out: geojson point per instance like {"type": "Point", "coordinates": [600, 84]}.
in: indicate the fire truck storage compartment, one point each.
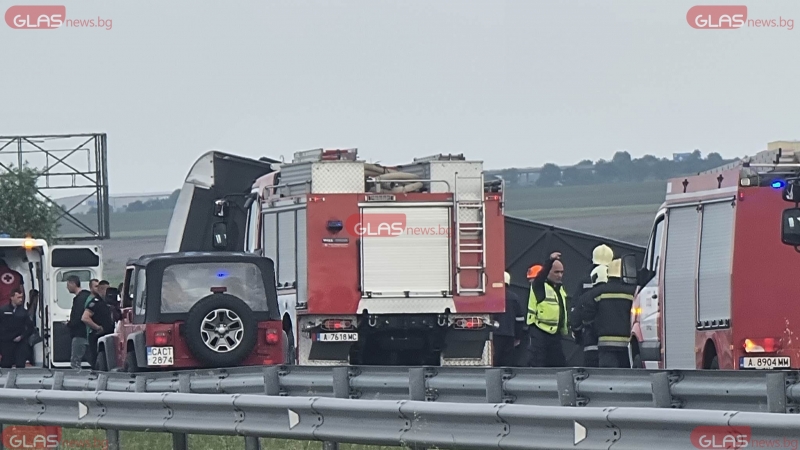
{"type": "Point", "coordinates": [411, 263]}
{"type": "Point", "coordinates": [716, 255]}
{"type": "Point", "coordinates": [679, 287]}
{"type": "Point", "coordinates": [284, 242]}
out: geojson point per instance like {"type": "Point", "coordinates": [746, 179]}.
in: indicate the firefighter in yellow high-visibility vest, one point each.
{"type": "Point", "coordinates": [547, 315]}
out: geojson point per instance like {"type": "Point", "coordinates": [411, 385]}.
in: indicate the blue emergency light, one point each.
{"type": "Point", "coordinates": [778, 184]}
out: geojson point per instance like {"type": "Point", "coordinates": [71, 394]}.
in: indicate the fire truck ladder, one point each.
{"type": "Point", "coordinates": [470, 230]}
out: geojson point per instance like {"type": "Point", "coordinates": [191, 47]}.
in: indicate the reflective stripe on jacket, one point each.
{"type": "Point", "coordinates": [548, 312]}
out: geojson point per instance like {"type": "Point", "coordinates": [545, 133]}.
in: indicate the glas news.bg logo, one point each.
{"type": "Point", "coordinates": [720, 437]}
{"type": "Point", "coordinates": [717, 16]}
{"type": "Point", "coordinates": [31, 437]}
{"type": "Point", "coordinates": [389, 225]}
{"type": "Point", "coordinates": [36, 17]}
{"type": "Point", "coordinates": [375, 225]}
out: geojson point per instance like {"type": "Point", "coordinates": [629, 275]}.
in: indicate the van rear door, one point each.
{"type": "Point", "coordinates": [85, 261]}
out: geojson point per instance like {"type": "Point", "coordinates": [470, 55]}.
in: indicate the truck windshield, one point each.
{"type": "Point", "coordinates": [183, 285]}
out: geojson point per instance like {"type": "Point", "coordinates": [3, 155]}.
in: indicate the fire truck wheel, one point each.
{"type": "Point", "coordinates": [221, 330]}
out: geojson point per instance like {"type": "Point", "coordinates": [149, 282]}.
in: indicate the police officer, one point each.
{"type": "Point", "coordinates": [512, 326]}
{"type": "Point", "coordinates": [15, 329]}
{"type": "Point", "coordinates": [609, 306]}
{"type": "Point", "coordinates": [547, 315]}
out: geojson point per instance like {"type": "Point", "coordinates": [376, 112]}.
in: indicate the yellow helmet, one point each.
{"type": "Point", "coordinates": [615, 268]}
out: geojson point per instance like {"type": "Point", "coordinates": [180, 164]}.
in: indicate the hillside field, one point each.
{"type": "Point", "coordinates": [622, 211]}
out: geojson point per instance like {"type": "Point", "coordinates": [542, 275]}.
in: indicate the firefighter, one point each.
{"type": "Point", "coordinates": [547, 315]}
{"type": "Point", "coordinates": [584, 331]}
{"type": "Point", "coordinates": [508, 335]}
{"type": "Point", "coordinates": [609, 306]}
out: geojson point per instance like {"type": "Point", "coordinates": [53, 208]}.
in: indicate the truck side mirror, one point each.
{"type": "Point", "coordinates": [220, 235]}
{"type": "Point", "coordinates": [629, 272]}
{"type": "Point", "coordinates": [788, 193]}
{"type": "Point", "coordinates": [221, 208]}
{"type": "Point", "coordinates": [790, 227]}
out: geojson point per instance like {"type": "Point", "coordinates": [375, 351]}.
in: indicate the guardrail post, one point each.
{"type": "Point", "coordinates": [180, 441]}
{"type": "Point", "coordinates": [416, 384]}
{"type": "Point", "coordinates": [112, 436]}
{"type": "Point", "coordinates": [776, 392]}
{"type": "Point", "coordinates": [566, 388]}
{"type": "Point", "coordinates": [662, 397]}
{"type": "Point", "coordinates": [341, 389]}
{"type": "Point", "coordinates": [11, 382]}
{"type": "Point", "coordinates": [494, 386]}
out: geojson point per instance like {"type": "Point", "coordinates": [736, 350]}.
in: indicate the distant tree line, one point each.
{"type": "Point", "coordinates": [621, 168]}
{"type": "Point", "coordinates": [155, 204]}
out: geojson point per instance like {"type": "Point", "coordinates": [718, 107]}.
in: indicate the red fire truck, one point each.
{"type": "Point", "coordinates": [382, 265]}
{"type": "Point", "coordinates": [718, 285]}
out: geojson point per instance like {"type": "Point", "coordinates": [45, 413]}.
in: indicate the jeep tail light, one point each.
{"type": "Point", "coordinates": [161, 338]}
{"type": "Point", "coordinates": [764, 345]}
{"type": "Point", "coordinates": [272, 337]}
{"type": "Point", "coordinates": [470, 323]}
{"type": "Point", "coordinates": [337, 324]}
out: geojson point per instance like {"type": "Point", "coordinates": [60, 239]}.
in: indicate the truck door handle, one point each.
{"type": "Point", "coordinates": [654, 296]}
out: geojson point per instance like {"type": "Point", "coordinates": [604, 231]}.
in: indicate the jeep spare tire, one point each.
{"type": "Point", "coordinates": [221, 330]}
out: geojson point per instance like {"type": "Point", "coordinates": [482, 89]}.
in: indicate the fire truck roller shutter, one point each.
{"type": "Point", "coordinates": [416, 260]}
{"type": "Point", "coordinates": [683, 225]}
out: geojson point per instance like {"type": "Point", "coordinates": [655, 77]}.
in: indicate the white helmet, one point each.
{"type": "Point", "coordinates": [600, 274]}
{"type": "Point", "coordinates": [602, 254]}
{"type": "Point", "coordinates": [507, 277]}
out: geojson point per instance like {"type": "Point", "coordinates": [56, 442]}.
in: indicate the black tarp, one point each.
{"type": "Point", "coordinates": [529, 243]}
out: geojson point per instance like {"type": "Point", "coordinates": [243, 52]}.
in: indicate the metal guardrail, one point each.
{"type": "Point", "coordinates": [390, 422]}
{"type": "Point", "coordinates": [752, 391]}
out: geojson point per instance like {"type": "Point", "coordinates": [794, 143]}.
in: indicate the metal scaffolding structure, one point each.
{"type": "Point", "coordinates": [73, 166]}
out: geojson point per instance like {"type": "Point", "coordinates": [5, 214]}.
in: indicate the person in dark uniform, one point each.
{"type": "Point", "coordinates": [583, 330]}
{"type": "Point", "coordinates": [508, 336]}
{"type": "Point", "coordinates": [98, 320]}
{"type": "Point", "coordinates": [609, 306]}
{"type": "Point", "coordinates": [15, 329]}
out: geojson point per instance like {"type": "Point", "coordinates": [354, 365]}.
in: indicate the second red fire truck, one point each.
{"type": "Point", "coordinates": [719, 285]}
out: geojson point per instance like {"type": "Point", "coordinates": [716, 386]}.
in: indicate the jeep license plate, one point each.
{"type": "Point", "coordinates": [337, 337]}
{"type": "Point", "coordinates": [160, 356]}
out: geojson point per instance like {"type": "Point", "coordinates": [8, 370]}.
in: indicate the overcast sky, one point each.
{"type": "Point", "coordinates": [513, 83]}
